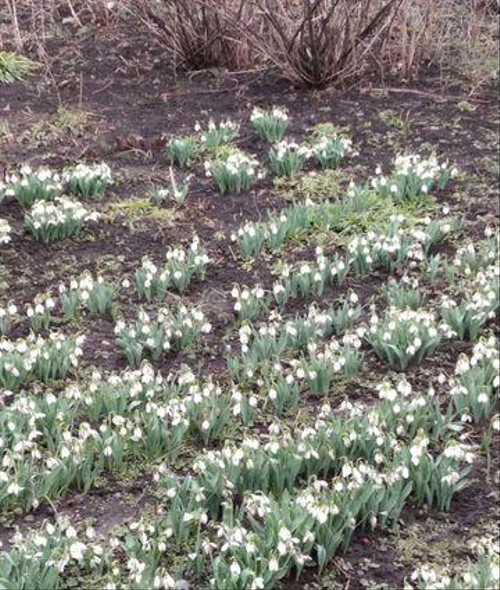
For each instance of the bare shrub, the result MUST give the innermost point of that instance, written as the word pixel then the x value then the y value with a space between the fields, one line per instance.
pixel 473 44
pixel 310 42
pixel 33 22
pixel 316 42
pixel 459 37
pixel 416 31
pixel 200 34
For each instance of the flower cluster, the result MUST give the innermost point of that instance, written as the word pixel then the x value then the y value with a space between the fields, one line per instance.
pixel 264 345
pixel 271 125
pixel 176 192
pixel 216 135
pixel 475 256
pixel 261 471
pixel 403 337
pixel 94 294
pixel 475 385
pixel 330 151
pixel 119 394
pixel 183 150
pixel 437 479
pixel 32 185
pixel 88 181
pixel 405 413
pixel 288 158
pixel 234 174
pixel 45 359
pixel 40 312
pixel 404 294
pixel 320 365
pixel 250 303
pixel 50 446
pixel 480 303
pixel 413 177
pixel 291 222
pixel 63 218
pixel 310 279
pixel 313 370
pixel 484 573
pixel 321 518
pixel 41 559
pixel 181 267
pixel 388 249
pixel 283 388
pixel 170 330
pixel 8 315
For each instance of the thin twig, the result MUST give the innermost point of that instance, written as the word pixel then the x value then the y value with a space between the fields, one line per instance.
pixel 73 14
pixel 174 94
pixel 11 7
pixel 105 87
pixel 439 97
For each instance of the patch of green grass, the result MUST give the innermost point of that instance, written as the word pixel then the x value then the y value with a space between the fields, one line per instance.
pixel 342 219
pixel 134 210
pixel 14 67
pixel 323 185
pixel 65 123
pixel 466 107
pixel 431 542
pixel 219 152
pixel 374 213
pixel 392 119
pixel 325 130
pixel 70 121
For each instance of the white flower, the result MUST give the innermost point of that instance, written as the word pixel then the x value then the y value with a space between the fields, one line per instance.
pixel 235 569
pixel 14 489
pixel 77 550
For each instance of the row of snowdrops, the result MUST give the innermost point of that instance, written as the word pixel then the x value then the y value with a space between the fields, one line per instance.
pixel 53 216
pixel 279 360
pixel 63 217
pixel 252 512
pixel 401 335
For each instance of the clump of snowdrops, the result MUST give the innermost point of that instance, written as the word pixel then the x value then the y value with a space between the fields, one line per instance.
pixel 234 173
pixel 181 267
pixel 88 181
pixel 270 124
pixel 177 191
pixel 287 158
pixel 413 177
pixel 94 294
pixel 168 331
pixel 57 220
pixel 29 186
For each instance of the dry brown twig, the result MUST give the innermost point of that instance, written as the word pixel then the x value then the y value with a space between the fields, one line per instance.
pixel 12 10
